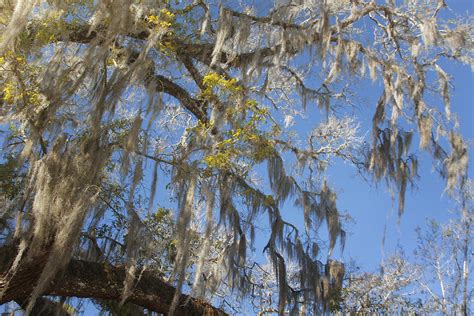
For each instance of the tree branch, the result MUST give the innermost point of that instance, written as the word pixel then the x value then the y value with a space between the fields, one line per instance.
pixel 95 280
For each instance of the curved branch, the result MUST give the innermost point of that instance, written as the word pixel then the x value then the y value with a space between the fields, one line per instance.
pixel 84 35
pixel 96 280
pixel 196 107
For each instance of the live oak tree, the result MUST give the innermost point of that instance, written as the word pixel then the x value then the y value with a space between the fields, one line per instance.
pixel 106 105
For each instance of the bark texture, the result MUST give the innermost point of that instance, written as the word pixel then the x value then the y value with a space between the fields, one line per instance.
pixel 95 280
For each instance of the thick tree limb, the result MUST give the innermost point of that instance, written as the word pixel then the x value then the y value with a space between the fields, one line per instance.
pixel 203 51
pixel 163 84
pixel 82 34
pixel 95 280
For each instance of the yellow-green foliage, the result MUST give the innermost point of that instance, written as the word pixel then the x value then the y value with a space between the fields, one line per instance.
pixel 9 93
pixel 167 47
pixel 213 80
pixel 160 214
pixel 14 88
pixel 164 20
pixel 246 135
pixel 12 93
pixel 221 160
pixel 49 27
pixel 202 128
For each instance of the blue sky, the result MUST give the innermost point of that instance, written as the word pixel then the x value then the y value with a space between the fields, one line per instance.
pixel 373 208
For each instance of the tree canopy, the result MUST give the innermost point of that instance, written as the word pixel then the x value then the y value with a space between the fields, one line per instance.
pixel 157 147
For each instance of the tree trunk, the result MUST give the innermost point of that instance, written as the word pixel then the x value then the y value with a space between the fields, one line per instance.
pixel 95 280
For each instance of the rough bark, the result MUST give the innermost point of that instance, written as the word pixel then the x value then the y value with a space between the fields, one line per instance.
pixel 95 280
